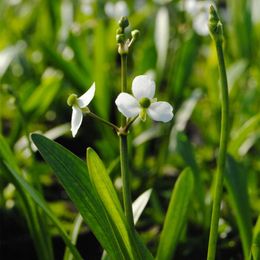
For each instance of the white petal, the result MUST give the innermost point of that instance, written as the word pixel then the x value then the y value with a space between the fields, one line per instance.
pixel 76 120
pixel 160 111
pixel 143 86
pixel 127 105
pixel 86 98
pixel 191 6
pixel 200 24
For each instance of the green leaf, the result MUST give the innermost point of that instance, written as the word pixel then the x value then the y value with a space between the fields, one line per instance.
pixel 71 71
pixel 6 154
pixel 236 183
pixel 185 149
pixel 42 204
pixel 34 217
pixel 49 87
pixel 74 236
pixel 138 207
pixel 108 196
pixel 73 175
pixel 176 216
pixel 255 248
pixel 100 71
pixel 183 61
pixel 251 126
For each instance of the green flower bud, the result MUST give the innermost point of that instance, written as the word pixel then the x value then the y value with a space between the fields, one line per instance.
pixel 120 38
pixel 119 31
pixel 72 100
pixel 214 24
pixel 135 34
pixel 145 102
pixel 123 22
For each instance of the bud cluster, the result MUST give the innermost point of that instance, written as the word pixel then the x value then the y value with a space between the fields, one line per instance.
pixel 215 25
pixel 123 42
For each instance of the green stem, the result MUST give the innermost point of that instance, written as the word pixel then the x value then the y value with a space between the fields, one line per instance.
pixel 129 123
pixel 123 80
pixel 222 153
pixel 126 180
pixel 103 121
pixel 124 153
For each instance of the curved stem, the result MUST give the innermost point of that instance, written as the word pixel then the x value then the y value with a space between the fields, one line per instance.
pixel 222 154
pixel 103 121
pixel 129 123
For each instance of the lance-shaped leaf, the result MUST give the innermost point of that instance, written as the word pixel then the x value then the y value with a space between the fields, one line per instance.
pixel 72 173
pixel 176 216
pixel 107 194
pixel 42 204
pixel 236 183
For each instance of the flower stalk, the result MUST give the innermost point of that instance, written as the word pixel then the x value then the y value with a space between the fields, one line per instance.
pixel 89 113
pixel 125 174
pixel 216 32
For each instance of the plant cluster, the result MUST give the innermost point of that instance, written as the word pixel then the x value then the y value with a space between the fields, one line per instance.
pixel 178 178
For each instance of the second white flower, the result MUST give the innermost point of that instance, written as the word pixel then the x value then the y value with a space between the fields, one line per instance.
pixel 142 102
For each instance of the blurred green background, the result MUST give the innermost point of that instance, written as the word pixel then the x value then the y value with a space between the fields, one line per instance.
pixel 50 49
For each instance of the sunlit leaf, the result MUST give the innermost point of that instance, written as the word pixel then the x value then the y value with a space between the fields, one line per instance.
pixel 72 173
pixel 140 203
pixel 108 196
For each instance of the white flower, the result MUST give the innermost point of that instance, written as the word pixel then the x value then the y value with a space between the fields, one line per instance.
pixel 198 10
pixel 78 106
pixel 116 10
pixel 142 101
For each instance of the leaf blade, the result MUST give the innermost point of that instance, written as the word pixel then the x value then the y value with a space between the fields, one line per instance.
pixel 108 196
pixel 72 173
pixel 176 215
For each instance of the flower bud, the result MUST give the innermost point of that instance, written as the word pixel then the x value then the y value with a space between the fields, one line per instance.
pixel 135 34
pixel 214 24
pixel 119 31
pixel 123 22
pixel 72 100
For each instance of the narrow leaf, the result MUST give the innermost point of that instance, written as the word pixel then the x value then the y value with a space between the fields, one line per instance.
pixel 255 249
pixel 42 204
pixel 185 150
pixel 251 126
pixel 140 203
pixel 108 196
pixel 236 183
pixel 73 175
pixel 176 216
pixel 74 236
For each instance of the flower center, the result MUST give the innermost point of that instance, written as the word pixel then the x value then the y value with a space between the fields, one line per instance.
pixel 145 102
pixel 72 100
